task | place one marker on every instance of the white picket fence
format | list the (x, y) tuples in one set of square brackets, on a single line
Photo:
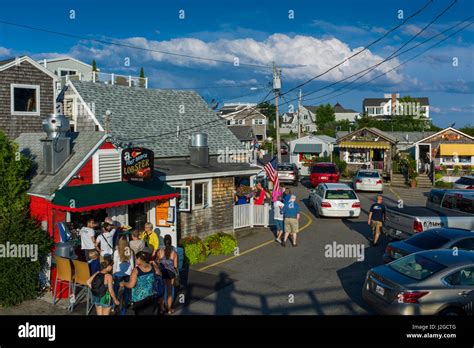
[(250, 215)]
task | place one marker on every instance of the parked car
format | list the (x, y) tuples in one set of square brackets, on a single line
[(323, 173), (464, 182), (444, 208), (437, 238), (433, 282), (367, 180), (288, 173), (334, 200)]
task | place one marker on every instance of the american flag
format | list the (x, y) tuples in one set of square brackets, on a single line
[(272, 173)]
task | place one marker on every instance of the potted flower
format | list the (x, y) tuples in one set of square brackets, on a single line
[(412, 175)]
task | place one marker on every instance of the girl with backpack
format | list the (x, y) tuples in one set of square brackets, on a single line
[(143, 283), (123, 266), (168, 259), (101, 284)]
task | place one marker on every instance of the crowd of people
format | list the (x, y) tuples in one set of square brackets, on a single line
[(129, 268)]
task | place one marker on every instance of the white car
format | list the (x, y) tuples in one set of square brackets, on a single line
[(367, 180), (334, 200)]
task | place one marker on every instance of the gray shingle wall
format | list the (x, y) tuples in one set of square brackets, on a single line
[(24, 73), (150, 117)]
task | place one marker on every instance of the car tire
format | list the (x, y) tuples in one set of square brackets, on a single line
[(452, 311)]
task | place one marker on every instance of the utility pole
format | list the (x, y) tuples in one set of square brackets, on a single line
[(276, 90), (299, 107)]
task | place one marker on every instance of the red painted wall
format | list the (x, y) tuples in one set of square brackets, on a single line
[(85, 173)]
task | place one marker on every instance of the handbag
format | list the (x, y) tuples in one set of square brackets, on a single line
[(177, 279)]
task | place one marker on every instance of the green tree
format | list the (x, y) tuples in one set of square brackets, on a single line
[(324, 116), (269, 110), (94, 66), (141, 83), (19, 277), (468, 129)]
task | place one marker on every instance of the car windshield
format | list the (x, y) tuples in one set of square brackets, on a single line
[(340, 194), (416, 266), (465, 181), (286, 168), (427, 240), (324, 170), (368, 175)]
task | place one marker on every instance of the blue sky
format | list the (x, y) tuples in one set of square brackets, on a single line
[(321, 34)]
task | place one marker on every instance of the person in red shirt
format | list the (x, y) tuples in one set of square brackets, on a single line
[(260, 195)]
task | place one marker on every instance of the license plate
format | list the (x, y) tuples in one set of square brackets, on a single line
[(342, 205), (324, 178), (380, 290)]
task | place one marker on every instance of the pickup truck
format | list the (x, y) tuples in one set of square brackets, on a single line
[(444, 208)]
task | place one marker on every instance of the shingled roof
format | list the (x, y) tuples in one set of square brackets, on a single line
[(150, 117), (30, 145)]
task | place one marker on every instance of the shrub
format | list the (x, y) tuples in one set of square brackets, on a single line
[(19, 277), (221, 244), (438, 177), (444, 184), (195, 250)]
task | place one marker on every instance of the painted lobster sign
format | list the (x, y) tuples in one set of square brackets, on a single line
[(137, 164)]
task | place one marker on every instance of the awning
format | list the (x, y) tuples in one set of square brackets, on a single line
[(456, 149), (100, 196), (307, 148), (365, 144)]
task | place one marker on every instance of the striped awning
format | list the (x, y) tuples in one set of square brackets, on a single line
[(365, 145), (307, 148), (456, 149)]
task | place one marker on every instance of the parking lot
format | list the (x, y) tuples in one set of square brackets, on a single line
[(269, 279)]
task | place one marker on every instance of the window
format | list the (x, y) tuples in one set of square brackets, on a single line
[(202, 194), (184, 203), (427, 240), (25, 99), (340, 194), (67, 72), (357, 156), (462, 277), (258, 121), (416, 266), (465, 244)]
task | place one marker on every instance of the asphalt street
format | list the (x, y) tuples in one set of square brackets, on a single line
[(270, 279)]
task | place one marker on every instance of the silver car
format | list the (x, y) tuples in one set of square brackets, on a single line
[(424, 283), (367, 180)]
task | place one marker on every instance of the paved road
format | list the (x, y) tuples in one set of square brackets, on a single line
[(301, 280)]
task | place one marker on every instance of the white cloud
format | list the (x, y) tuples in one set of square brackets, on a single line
[(301, 57), (5, 52), (434, 109)]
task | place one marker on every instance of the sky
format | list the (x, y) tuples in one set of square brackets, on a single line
[(304, 38)]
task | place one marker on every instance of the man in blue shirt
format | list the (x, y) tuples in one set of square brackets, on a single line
[(291, 214), (376, 219)]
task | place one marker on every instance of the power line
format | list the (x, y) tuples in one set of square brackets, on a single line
[(364, 49), (104, 42), (406, 61), (399, 54), (390, 57), (372, 67)]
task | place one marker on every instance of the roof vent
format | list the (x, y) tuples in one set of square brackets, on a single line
[(56, 146), (199, 150)]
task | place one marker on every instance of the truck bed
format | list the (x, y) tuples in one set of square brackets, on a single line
[(421, 212)]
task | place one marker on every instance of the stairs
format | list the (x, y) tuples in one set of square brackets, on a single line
[(398, 180), (423, 181)]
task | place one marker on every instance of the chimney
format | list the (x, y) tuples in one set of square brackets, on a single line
[(198, 150), (56, 146), (394, 103)]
